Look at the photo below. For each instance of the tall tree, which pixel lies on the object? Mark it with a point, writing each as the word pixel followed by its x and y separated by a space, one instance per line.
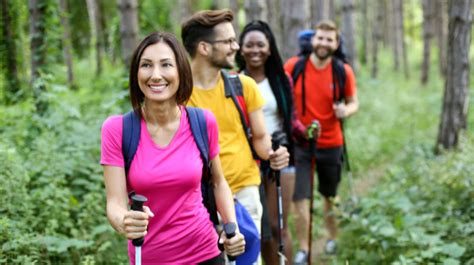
pixel 401 37
pixel 9 51
pixel 427 36
pixel 399 52
pixel 377 35
pixel 320 10
pixel 67 46
pixel 348 31
pixel 295 17
pixel 93 9
pixel 37 11
pixel 441 29
pixel 235 7
pixel 274 20
pixel 255 10
pixel 365 32
pixel 128 28
pixel 456 93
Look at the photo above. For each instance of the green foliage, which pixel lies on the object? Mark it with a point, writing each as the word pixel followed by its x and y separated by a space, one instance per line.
pixel 420 213
pixel 52 194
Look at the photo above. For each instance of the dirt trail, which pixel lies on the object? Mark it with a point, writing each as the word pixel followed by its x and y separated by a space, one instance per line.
pixel 362 185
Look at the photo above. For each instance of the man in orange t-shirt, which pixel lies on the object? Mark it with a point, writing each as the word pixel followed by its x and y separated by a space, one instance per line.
pixel 318 103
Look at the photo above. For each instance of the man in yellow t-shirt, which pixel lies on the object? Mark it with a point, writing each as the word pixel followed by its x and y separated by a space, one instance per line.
pixel 209 38
pixel 238 165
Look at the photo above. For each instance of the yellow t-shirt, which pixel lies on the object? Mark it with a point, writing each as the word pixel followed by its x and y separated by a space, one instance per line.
pixel 240 168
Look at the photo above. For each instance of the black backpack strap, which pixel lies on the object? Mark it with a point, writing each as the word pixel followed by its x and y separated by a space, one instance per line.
pixel 339 80
pixel 130 137
pixel 297 71
pixel 232 89
pixel 197 122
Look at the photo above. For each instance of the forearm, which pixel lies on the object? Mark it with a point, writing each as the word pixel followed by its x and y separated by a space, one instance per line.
pixel 351 108
pixel 262 145
pixel 224 202
pixel 115 215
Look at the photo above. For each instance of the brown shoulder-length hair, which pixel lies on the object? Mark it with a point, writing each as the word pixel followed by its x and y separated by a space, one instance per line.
pixel 184 69
pixel 200 27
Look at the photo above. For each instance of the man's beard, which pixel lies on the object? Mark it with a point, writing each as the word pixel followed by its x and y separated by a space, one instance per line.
pixel 221 63
pixel 329 53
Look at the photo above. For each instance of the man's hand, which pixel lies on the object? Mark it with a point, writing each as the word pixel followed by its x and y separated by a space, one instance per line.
pixel 340 110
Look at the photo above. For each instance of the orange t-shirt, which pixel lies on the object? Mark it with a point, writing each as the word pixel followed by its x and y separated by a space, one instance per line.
pixel 319 100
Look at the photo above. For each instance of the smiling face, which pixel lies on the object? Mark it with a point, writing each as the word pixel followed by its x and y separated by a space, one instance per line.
pixel 225 46
pixel 324 43
pixel 158 77
pixel 255 49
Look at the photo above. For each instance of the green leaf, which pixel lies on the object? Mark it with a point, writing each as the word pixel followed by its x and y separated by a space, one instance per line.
pixel 450 261
pixel 453 250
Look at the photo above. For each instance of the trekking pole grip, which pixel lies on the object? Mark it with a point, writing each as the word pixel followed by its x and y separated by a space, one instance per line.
pixel 137 205
pixel 313 127
pixel 229 230
pixel 278 138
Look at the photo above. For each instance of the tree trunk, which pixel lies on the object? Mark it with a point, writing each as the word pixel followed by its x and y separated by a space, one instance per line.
pixel 235 7
pixel 387 34
pixel 67 46
pixel 274 20
pixel 377 35
pixel 365 33
pixel 395 16
pixel 456 93
pixel 427 36
pixel 9 54
pixel 255 10
pixel 401 37
pixel 321 10
pixel 441 33
pixel 37 10
pixel 128 28
pixel 348 31
pixel 96 32
pixel 295 15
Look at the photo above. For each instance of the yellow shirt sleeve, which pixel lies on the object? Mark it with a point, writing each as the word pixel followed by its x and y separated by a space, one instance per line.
pixel 253 98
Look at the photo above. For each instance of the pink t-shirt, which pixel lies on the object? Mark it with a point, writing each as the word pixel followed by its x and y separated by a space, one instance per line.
pixel 170 177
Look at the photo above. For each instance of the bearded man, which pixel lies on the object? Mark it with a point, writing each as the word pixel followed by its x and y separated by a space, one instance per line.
pixel 317 97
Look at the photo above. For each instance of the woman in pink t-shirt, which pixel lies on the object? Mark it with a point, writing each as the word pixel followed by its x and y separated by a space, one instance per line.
pixel 167 166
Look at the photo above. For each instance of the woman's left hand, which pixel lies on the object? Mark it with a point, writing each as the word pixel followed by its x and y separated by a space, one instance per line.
pixel 279 159
pixel 233 246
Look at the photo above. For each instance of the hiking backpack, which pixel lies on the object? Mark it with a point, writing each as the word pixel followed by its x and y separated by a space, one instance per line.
pixel 233 89
pixel 338 79
pixel 197 121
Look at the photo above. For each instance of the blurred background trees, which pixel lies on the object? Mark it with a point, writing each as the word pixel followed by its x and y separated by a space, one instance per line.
pixel 63 69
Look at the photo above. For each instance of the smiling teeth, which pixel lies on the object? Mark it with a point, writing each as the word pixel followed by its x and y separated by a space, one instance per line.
pixel 158 88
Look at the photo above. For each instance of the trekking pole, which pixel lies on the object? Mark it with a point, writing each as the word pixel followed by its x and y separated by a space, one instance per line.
pixel 312 147
pixel 137 205
pixel 345 153
pixel 229 230
pixel 279 138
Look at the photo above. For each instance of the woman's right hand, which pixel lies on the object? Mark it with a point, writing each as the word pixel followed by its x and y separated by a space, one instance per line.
pixel 135 223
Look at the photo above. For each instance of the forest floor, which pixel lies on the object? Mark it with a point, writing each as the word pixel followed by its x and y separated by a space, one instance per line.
pixel 362 185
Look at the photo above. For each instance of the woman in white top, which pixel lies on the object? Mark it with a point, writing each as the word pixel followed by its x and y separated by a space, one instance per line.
pixel 259 58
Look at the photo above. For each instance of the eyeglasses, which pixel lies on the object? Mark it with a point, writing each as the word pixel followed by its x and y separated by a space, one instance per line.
pixel 229 41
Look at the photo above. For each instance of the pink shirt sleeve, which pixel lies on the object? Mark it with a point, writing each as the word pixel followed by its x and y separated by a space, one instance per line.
pixel 213 135
pixel 111 142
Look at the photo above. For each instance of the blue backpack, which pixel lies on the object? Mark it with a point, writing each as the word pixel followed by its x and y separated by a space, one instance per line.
pixel 197 121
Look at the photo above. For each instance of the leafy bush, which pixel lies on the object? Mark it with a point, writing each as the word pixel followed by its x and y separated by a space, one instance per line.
pixel 52 194
pixel 421 213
